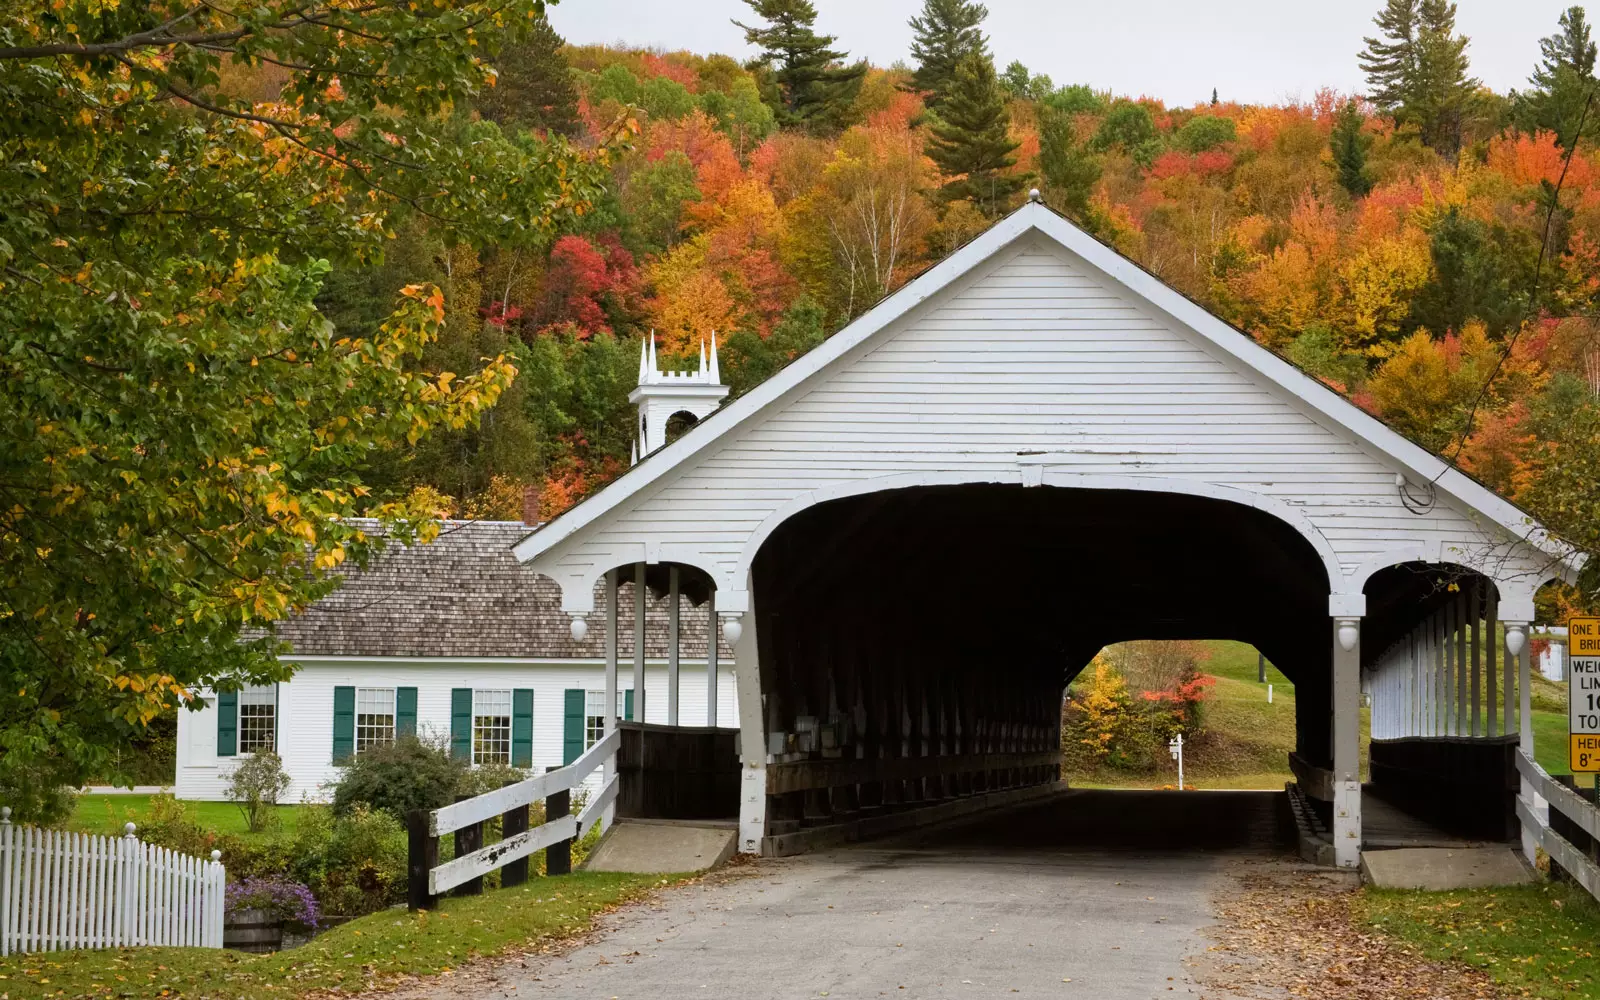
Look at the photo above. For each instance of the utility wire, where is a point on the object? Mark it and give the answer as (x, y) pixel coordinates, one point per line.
(1533, 292)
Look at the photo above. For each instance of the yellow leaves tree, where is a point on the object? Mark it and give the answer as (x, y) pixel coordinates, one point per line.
(1379, 283)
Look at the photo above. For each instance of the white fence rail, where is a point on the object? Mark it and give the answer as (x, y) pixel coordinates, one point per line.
(62, 890)
(441, 878)
(1540, 794)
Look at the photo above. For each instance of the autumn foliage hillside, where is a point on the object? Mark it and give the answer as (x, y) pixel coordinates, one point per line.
(1400, 275)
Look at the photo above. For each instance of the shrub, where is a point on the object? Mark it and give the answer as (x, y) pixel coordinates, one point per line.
(37, 795)
(355, 863)
(410, 773)
(255, 785)
(279, 898)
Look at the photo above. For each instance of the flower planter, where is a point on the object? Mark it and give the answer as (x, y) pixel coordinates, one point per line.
(253, 931)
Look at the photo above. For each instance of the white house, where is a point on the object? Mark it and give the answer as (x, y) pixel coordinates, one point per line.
(457, 639)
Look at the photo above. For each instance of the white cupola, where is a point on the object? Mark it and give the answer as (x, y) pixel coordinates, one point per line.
(662, 395)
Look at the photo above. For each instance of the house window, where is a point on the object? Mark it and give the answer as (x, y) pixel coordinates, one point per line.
(258, 719)
(491, 727)
(594, 718)
(374, 717)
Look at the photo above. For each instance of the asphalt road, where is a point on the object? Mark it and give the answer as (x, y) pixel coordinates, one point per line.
(1027, 903)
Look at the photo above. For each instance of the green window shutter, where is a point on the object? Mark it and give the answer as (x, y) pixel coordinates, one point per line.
(461, 723)
(572, 725)
(522, 727)
(627, 704)
(227, 723)
(344, 724)
(405, 711)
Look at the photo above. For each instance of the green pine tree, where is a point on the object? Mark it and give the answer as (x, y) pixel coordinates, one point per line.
(1562, 83)
(1418, 71)
(1390, 62)
(971, 140)
(1070, 169)
(1349, 144)
(947, 32)
(534, 88)
(813, 89)
(1442, 99)
(1569, 48)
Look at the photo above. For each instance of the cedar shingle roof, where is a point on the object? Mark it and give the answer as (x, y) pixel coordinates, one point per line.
(465, 594)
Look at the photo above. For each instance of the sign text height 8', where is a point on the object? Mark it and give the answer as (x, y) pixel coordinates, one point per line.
(1583, 693)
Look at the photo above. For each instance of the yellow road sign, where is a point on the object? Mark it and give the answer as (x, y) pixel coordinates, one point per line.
(1583, 693)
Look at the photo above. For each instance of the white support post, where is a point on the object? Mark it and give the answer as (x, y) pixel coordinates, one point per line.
(752, 736)
(673, 632)
(711, 659)
(639, 635)
(1347, 742)
(610, 708)
(1516, 640)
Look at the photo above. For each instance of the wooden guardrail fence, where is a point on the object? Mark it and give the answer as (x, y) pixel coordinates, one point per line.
(428, 879)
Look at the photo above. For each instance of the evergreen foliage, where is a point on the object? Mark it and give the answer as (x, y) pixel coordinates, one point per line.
(946, 33)
(1570, 48)
(814, 90)
(971, 141)
(1070, 170)
(1418, 71)
(533, 88)
(1563, 82)
(1350, 144)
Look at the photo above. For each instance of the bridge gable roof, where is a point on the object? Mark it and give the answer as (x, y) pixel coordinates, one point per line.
(1035, 222)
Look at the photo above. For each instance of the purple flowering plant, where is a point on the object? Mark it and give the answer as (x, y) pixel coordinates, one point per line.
(285, 899)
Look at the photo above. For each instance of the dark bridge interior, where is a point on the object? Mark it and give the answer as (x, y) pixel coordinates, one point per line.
(945, 622)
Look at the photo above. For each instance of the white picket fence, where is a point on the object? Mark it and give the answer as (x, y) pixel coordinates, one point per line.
(61, 890)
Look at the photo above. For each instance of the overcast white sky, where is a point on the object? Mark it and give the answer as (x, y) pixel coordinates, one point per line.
(1177, 50)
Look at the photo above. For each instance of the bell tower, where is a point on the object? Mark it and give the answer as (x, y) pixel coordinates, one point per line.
(661, 395)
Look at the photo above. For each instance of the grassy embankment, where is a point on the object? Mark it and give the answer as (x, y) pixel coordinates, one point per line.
(363, 954)
(1538, 940)
(1247, 741)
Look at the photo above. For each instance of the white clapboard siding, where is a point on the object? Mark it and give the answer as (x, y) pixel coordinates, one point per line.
(1036, 351)
(61, 890)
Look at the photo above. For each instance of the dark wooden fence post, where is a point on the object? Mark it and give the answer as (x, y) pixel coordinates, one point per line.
(423, 857)
(558, 856)
(468, 839)
(513, 822)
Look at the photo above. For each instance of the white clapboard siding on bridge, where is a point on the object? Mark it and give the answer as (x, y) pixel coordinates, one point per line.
(61, 890)
(1035, 352)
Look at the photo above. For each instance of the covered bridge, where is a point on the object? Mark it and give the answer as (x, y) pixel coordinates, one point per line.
(916, 536)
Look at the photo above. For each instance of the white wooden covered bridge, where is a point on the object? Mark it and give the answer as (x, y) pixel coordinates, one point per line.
(916, 535)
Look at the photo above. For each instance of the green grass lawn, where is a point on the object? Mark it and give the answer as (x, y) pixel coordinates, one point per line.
(1538, 940)
(356, 956)
(1237, 661)
(106, 814)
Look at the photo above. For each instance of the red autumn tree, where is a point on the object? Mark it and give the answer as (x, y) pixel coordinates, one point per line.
(588, 283)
